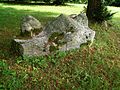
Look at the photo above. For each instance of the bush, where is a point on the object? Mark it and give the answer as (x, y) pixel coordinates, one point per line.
(102, 14)
(112, 3)
(47, 1)
(116, 3)
(59, 2)
(108, 2)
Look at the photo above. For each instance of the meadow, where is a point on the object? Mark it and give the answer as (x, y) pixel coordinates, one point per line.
(94, 68)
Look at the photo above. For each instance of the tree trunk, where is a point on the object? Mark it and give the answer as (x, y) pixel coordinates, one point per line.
(93, 5)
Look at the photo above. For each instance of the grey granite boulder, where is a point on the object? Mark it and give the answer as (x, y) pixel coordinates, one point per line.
(29, 24)
(62, 34)
(80, 18)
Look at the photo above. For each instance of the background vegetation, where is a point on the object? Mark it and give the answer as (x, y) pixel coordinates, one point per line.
(97, 67)
(59, 2)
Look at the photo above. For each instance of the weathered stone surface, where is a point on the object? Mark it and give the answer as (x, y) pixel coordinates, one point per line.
(73, 16)
(29, 24)
(31, 47)
(63, 33)
(81, 18)
(84, 19)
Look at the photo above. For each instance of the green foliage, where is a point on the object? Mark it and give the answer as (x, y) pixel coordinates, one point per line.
(42, 61)
(115, 3)
(102, 14)
(62, 2)
(94, 68)
(79, 1)
(108, 2)
(59, 2)
(9, 79)
(47, 1)
(3, 64)
(112, 2)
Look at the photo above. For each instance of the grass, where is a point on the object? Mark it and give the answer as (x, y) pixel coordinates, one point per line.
(11, 16)
(95, 68)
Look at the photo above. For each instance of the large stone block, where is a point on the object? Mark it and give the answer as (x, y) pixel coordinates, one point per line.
(30, 24)
(64, 33)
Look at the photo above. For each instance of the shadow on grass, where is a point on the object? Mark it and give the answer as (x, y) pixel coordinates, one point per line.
(24, 3)
(10, 20)
(31, 3)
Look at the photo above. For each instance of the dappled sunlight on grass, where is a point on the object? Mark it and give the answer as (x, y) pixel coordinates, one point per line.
(96, 67)
(12, 15)
(58, 9)
(116, 16)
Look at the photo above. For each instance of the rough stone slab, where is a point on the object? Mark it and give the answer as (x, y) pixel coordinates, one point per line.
(29, 24)
(64, 33)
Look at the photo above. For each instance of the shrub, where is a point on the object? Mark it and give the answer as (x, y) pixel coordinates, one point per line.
(115, 3)
(108, 2)
(102, 14)
(47, 1)
(59, 2)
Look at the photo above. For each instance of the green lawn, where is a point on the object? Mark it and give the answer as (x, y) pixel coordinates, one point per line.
(94, 68)
(10, 18)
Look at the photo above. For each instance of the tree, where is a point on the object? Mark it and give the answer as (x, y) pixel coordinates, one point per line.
(93, 5)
